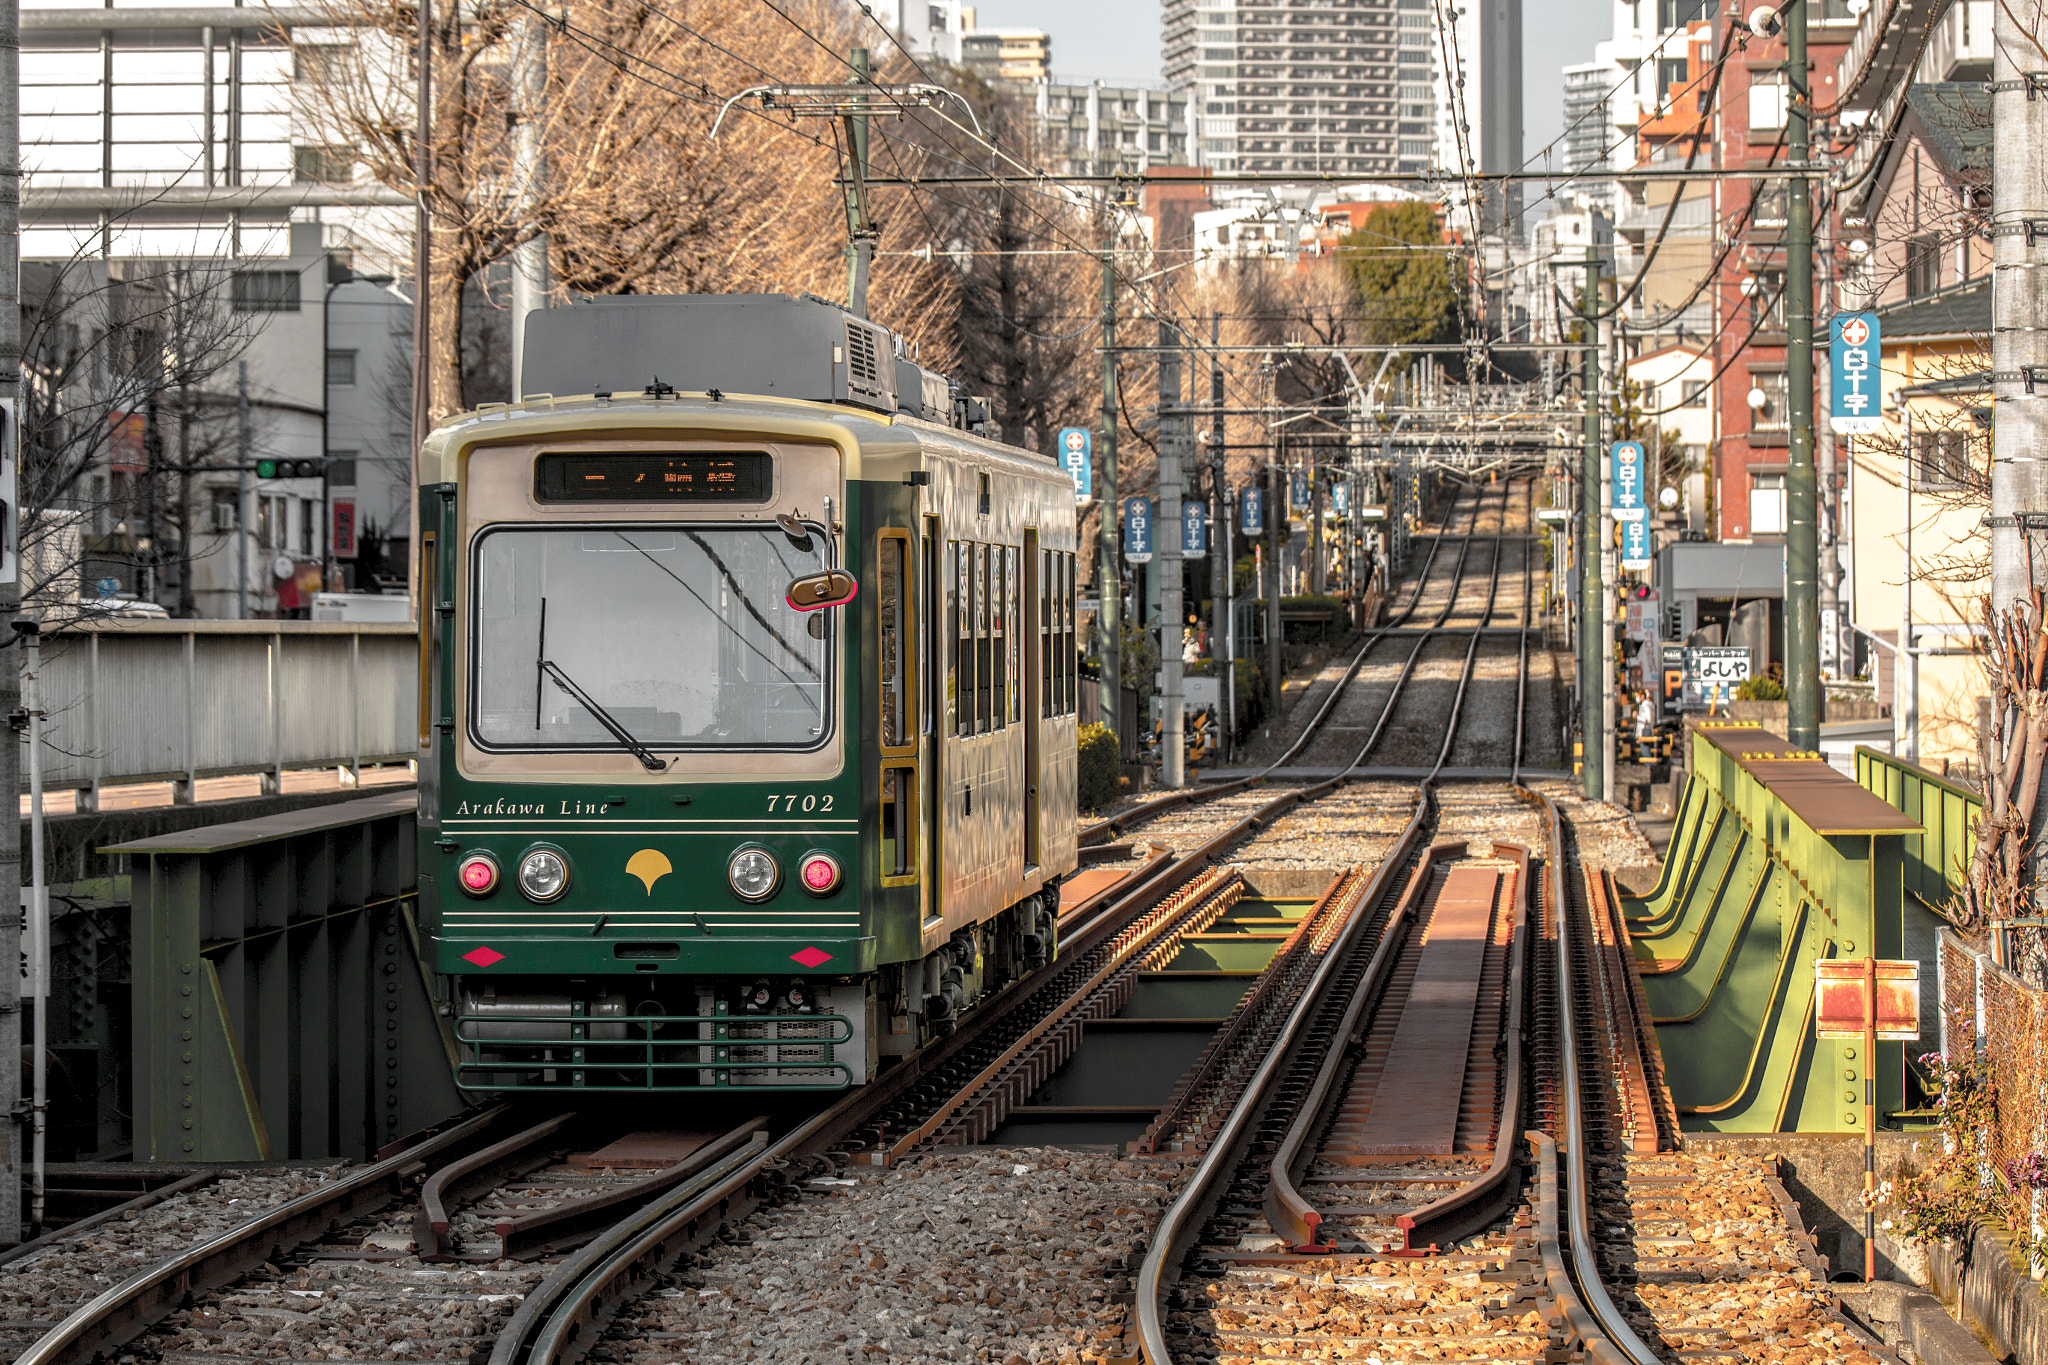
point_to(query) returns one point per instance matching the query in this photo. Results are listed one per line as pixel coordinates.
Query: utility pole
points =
(422, 326)
(530, 257)
(1221, 569)
(1609, 570)
(860, 226)
(242, 458)
(1592, 550)
(1802, 494)
(1108, 573)
(2019, 304)
(1172, 427)
(10, 604)
(1276, 538)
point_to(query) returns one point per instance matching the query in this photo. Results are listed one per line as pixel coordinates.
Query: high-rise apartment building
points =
(1097, 129)
(1479, 103)
(1298, 85)
(1012, 56)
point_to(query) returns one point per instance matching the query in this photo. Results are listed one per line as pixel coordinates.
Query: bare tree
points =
(123, 407)
(638, 195)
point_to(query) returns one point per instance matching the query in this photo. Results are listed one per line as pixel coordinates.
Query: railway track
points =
(340, 1246)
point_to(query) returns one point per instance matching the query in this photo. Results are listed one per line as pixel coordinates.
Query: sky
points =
(1119, 40)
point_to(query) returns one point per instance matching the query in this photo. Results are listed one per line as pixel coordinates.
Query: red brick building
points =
(1751, 455)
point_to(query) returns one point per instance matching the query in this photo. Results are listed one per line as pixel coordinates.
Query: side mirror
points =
(814, 592)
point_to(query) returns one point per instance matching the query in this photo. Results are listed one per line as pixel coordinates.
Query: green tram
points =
(748, 703)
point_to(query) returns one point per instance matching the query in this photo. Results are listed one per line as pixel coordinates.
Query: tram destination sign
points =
(739, 476)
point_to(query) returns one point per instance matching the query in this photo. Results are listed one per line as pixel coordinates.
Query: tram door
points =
(1033, 624)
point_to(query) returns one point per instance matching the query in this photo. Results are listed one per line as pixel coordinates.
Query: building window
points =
(1777, 392)
(1767, 91)
(265, 291)
(341, 469)
(1695, 391)
(341, 369)
(938, 19)
(308, 516)
(1767, 301)
(323, 165)
(1923, 266)
(1670, 72)
(1767, 504)
(1941, 459)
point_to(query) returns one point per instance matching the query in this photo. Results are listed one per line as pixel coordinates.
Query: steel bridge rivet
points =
(188, 1146)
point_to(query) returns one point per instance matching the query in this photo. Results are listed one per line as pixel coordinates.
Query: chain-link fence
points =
(1985, 1007)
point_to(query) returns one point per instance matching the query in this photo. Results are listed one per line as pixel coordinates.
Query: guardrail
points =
(174, 701)
(1936, 861)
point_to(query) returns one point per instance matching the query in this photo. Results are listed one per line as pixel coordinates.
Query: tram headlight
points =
(478, 874)
(754, 874)
(543, 875)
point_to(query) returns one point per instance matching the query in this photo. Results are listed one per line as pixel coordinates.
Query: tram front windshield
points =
(680, 637)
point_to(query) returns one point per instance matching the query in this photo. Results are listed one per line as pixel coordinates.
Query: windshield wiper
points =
(647, 757)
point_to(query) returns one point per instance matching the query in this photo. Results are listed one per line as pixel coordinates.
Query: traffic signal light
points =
(290, 469)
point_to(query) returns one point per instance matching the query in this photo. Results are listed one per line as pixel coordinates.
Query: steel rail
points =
(1584, 1268)
(1288, 1213)
(461, 1181)
(149, 1199)
(120, 1314)
(574, 1219)
(1136, 816)
(570, 1307)
(1183, 1219)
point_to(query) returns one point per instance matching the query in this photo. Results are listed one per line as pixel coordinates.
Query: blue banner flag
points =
(1138, 530)
(1194, 529)
(1077, 448)
(1251, 510)
(1855, 374)
(1297, 493)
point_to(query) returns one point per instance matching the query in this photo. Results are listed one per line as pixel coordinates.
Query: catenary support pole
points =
(530, 257)
(1592, 588)
(422, 314)
(243, 454)
(1173, 426)
(1802, 498)
(1276, 538)
(10, 602)
(39, 928)
(1609, 372)
(1220, 566)
(1108, 571)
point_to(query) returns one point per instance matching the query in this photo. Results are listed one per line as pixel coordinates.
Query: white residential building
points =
(927, 28)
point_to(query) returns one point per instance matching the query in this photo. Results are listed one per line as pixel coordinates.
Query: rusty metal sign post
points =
(1871, 999)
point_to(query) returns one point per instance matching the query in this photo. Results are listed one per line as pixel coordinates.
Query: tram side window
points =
(999, 637)
(1013, 589)
(982, 639)
(1070, 659)
(892, 564)
(960, 687)
(1046, 635)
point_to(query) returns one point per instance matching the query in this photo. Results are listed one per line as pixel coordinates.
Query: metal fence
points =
(1938, 859)
(175, 701)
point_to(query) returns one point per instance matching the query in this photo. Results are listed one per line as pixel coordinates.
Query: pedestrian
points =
(1646, 718)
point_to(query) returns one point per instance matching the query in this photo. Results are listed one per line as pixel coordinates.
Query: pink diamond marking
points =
(811, 957)
(483, 957)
